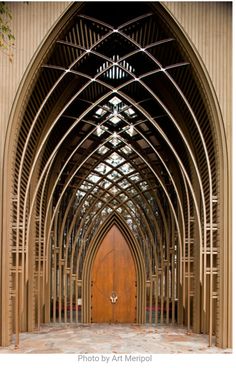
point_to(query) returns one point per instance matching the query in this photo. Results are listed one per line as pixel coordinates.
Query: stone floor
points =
(111, 339)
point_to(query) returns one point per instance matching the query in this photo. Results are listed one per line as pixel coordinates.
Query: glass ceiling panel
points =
(94, 178)
(115, 141)
(130, 112)
(115, 101)
(100, 112)
(102, 150)
(90, 198)
(130, 131)
(129, 222)
(105, 184)
(115, 159)
(80, 194)
(114, 175)
(114, 71)
(123, 197)
(106, 211)
(115, 119)
(132, 191)
(102, 168)
(126, 150)
(124, 183)
(101, 130)
(144, 185)
(107, 197)
(86, 186)
(126, 168)
(95, 190)
(86, 204)
(114, 190)
(135, 177)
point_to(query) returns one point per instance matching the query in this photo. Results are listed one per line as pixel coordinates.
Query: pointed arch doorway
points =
(103, 138)
(114, 281)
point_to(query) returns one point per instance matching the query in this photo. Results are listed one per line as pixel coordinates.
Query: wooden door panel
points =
(124, 281)
(102, 282)
(113, 271)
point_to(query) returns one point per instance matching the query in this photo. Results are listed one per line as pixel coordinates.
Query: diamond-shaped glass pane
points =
(130, 131)
(102, 150)
(126, 150)
(95, 190)
(143, 185)
(106, 211)
(93, 178)
(126, 168)
(123, 197)
(85, 204)
(115, 159)
(106, 197)
(124, 183)
(130, 112)
(115, 119)
(80, 194)
(114, 190)
(135, 177)
(114, 175)
(100, 130)
(105, 183)
(86, 186)
(115, 101)
(99, 204)
(103, 168)
(114, 140)
(100, 112)
(132, 191)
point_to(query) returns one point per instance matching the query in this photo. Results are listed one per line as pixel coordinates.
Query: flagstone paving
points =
(108, 339)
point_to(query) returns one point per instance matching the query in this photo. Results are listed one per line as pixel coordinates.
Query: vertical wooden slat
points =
(39, 18)
(214, 44)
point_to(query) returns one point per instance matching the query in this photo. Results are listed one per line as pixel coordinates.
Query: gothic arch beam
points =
(224, 189)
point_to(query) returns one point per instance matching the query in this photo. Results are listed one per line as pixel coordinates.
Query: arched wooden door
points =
(113, 282)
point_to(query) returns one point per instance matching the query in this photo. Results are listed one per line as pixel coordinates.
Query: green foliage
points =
(6, 36)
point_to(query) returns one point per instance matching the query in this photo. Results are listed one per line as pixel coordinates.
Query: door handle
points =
(113, 298)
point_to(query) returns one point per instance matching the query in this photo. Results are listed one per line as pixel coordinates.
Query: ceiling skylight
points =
(93, 178)
(103, 168)
(114, 139)
(130, 112)
(126, 150)
(102, 150)
(100, 112)
(114, 175)
(114, 159)
(126, 168)
(100, 130)
(115, 119)
(115, 101)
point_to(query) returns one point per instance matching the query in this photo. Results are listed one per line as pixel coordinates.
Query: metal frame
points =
(195, 212)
